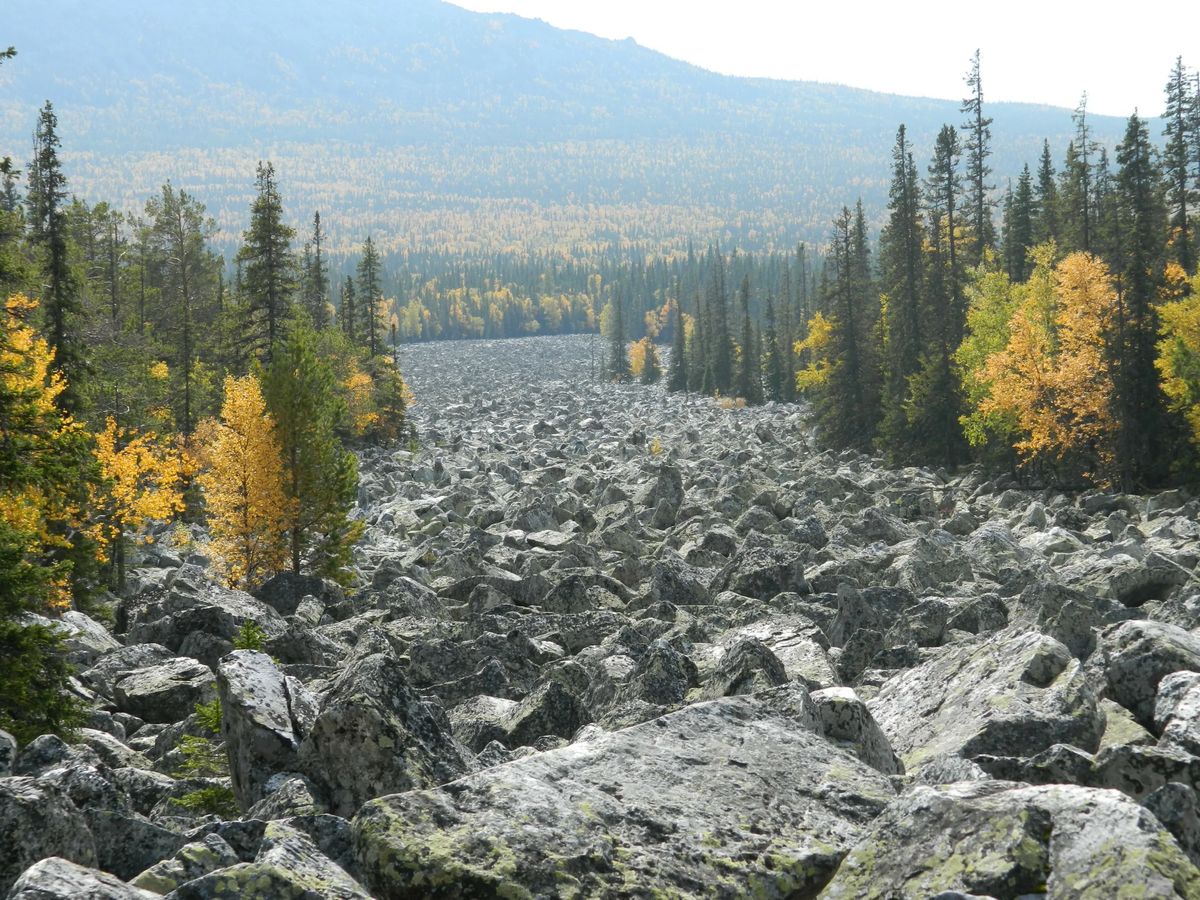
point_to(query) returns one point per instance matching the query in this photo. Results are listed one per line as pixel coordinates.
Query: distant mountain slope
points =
(446, 106)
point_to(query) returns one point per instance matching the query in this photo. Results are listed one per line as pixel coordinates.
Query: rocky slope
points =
(608, 643)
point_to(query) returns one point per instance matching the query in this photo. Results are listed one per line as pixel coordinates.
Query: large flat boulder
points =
(166, 692)
(1010, 695)
(1005, 841)
(1138, 654)
(727, 798)
(55, 878)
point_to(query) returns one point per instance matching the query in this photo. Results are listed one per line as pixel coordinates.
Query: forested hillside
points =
(438, 128)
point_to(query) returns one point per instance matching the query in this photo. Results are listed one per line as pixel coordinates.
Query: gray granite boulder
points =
(166, 692)
(1138, 654)
(37, 821)
(55, 878)
(1012, 695)
(1005, 840)
(673, 807)
(846, 720)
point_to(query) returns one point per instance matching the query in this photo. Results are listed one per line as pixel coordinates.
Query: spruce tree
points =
(848, 404)
(652, 370)
(901, 282)
(1045, 225)
(180, 233)
(943, 189)
(1179, 121)
(979, 136)
(269, 268)
(773, 356)
(1140, 266)
(720, 349)
(48, 231)
(1077, 220)
(787, 337)
(618, 352)
(748, 365)
(315, 293)
(348, 313)
(1019, 216)
(320, 476)
(677, 372)
(370, 294)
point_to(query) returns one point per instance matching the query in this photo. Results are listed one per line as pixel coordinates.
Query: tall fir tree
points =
(269, 267)
(943, 192)
(187, 298)
(720, 348)
(348, 311)
(61, 304)
(849, 402)
(748, 382)
(320, 477)
(772, 355)
(677, 371)
(787, 336)
(1019, 215)
(618, 352)
(977, 147)
(902, 275)
(1077, 218)
(1179, 120)
(1045, 225)
(370, 296)
(1143, 220)
(315, 292)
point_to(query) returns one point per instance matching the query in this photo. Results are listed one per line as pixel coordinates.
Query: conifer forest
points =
(503, 533)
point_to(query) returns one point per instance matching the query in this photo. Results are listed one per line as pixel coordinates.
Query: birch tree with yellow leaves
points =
(141, 482)
(1054, 377)
(248, 511)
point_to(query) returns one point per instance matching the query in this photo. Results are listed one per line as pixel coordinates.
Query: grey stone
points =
(1005, 840)
(189, 862)
(37, 821)
(56, 878)
(373, 717)
(1175, 806)
(1010, 696)
(747, 667)
(1138, 654)
(664, 806)
(762, 573)
(285, 591)
(166, 692)
(8, 753)
(846, 719)
(110, 668)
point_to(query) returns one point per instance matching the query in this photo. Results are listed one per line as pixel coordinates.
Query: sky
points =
(1035, 52)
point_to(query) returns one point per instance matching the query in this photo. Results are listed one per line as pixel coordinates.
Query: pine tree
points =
(315, 294)
(269, 272)
(902, 274)
(677, 372)
(1140, 267)
(1045, 225)
(370, 293)
(348, 311)
(979, 136)
(47, 221)
(1180, 120)
(320, 477)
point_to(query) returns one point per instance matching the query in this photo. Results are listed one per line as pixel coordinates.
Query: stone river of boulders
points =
(605, 642)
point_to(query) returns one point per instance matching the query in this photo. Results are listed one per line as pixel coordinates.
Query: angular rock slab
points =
(374, 736)
(37, 821)
(1007, 695)
(289, 866)
(1007, 840)
(56, 878)
(726, 798)
(1138, 655)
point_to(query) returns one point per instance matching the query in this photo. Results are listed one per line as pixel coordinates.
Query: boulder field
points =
(599, 641)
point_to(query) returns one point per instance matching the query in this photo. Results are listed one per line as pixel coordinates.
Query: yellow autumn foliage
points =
(814, 351)
(1179, 350)
(1053, 377)
(243, 488)
(40, 494)
(142, 480)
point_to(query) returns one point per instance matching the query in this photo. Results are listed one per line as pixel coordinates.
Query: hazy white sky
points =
(1039, 52)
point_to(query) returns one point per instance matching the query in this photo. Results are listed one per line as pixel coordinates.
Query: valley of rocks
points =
(603, 642)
